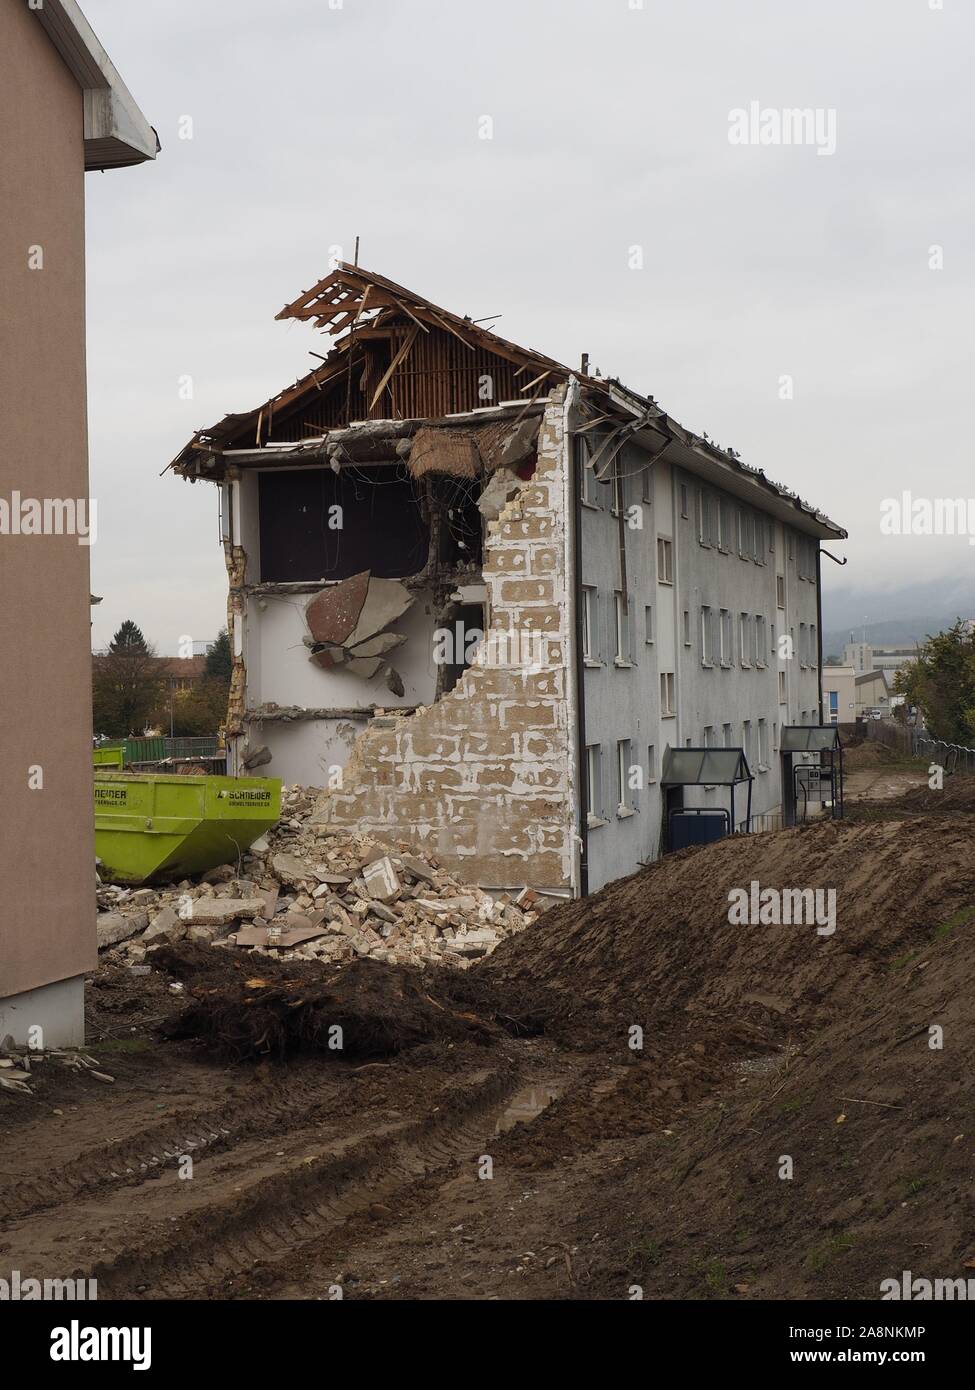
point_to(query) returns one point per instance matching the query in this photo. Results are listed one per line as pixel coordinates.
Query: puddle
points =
(525, 1105)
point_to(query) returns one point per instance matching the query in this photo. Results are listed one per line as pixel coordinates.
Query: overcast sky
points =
(312, 124)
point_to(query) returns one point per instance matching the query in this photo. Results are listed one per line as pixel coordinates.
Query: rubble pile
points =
(306, 891)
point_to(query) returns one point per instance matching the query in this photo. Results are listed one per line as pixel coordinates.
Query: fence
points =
(953, 757)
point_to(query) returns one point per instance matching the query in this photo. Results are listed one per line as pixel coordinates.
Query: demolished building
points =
(476, 596)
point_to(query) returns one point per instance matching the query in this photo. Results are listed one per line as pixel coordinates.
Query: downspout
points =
(819, 627)
(574, 590)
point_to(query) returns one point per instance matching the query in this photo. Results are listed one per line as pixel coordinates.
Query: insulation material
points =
(453, 452)
(467, 453)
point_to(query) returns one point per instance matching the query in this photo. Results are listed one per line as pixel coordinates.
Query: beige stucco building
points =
(63, 110)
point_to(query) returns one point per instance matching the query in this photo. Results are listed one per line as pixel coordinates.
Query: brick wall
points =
(481, 778)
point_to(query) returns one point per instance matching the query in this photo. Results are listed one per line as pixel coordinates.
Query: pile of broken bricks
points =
(306, 891)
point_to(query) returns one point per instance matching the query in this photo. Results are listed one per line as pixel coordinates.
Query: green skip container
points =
(150, 826)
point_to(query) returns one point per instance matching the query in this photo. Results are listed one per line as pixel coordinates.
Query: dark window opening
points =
(465, 625)
(317, 524)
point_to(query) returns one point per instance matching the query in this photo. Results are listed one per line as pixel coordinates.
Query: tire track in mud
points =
(148, 1153)
(280, 1215)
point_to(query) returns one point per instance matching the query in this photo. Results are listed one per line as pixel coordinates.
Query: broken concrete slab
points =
(334, 613)
(386, 601)
(381, 879)
(166, 924)
(219, 912)
(112, 927)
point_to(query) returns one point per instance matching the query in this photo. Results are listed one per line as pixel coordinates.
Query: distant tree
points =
(941, 682)
(200, 711)
(220, 660)
(129, 640)
(832, 660)
(126, 685)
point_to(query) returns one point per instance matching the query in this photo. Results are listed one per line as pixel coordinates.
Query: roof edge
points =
(116, 134)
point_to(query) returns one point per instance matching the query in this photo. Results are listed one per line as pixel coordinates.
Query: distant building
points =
(839, 694)
(873, 692)
(181, 672)
(864, 657)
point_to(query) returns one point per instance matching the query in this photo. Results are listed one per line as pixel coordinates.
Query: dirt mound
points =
(955, 798)
(658, 950)
(245, 1008)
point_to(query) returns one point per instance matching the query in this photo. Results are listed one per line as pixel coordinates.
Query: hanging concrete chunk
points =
(334, 613)
(386, 601)
(347, 623)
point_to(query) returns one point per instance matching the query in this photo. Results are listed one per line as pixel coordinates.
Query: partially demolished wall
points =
(482, 778)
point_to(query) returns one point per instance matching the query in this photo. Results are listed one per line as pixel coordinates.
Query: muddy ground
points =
(556, 1160)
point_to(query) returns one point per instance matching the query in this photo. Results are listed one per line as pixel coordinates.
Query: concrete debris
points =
(348, 622)
(312, 892)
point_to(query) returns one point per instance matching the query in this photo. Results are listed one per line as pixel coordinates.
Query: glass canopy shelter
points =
(812, 770)
(702, 767)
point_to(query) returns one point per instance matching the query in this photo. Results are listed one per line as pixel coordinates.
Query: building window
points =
(780, 590)
(725, 523)
(652, 762)
(683, 500)
(593, 796)
(813, 646)
(744, 639)
(783, 697)
(619, 487)
(761, 652)
(707, 636)
(728, 734)
(624, 801)
(727, 654)
(770, 535)
(762, 745)
(665, 560)
(648, 624)
(685, 623)
(590, 639)
(709, 736)
(803, 646)
(667, 706)
(588, 486)
(746, 741)
(621, 610)
(647, 475)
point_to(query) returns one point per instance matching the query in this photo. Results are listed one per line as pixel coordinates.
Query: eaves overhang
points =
(116, 133)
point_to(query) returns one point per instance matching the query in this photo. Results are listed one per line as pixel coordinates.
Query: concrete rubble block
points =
(166, 924)
(461, 904)
(288, 868)
(385, 914)
(113, 927)
(203, 934)
(220, 912)
(381, 880)
(418, 868)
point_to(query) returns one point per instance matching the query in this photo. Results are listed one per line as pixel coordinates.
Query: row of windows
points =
(616, 788)
(755, 647)
(721, 523)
